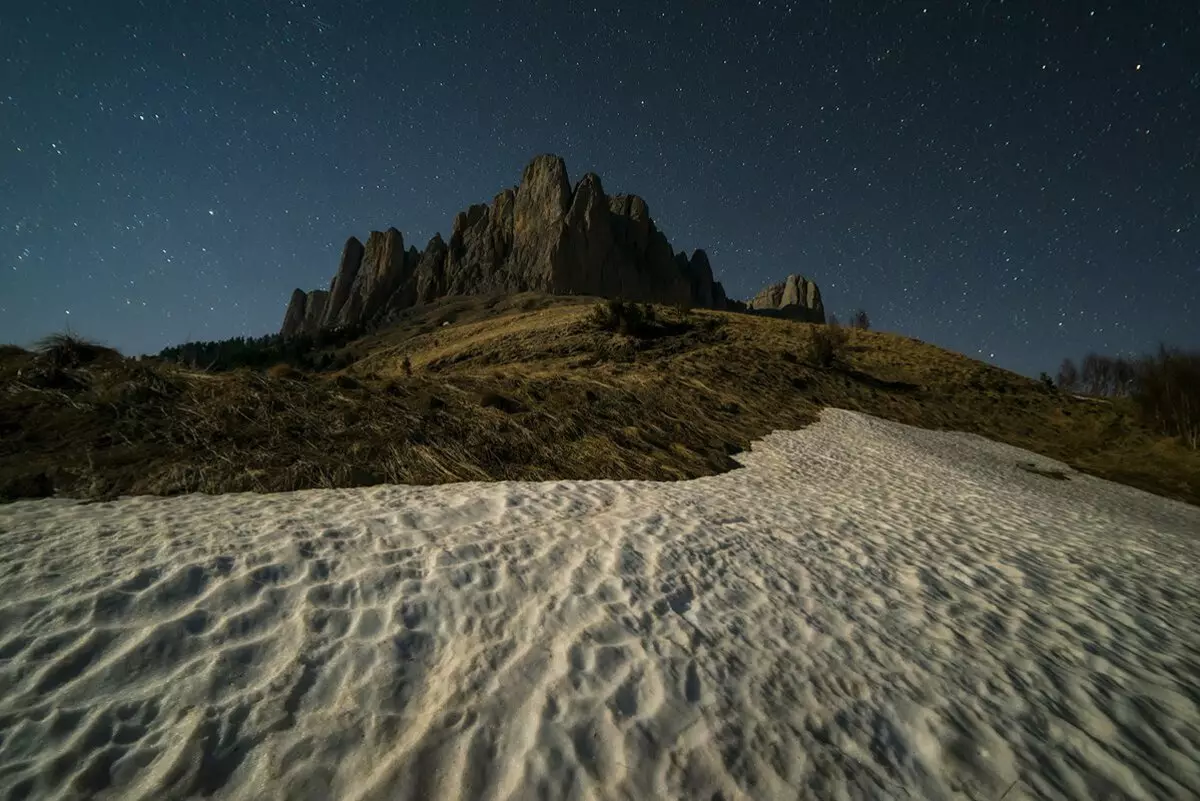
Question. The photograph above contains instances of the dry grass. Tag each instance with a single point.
(285, 371)
(66, 349)
(527, 388)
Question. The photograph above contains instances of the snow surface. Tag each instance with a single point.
(866, 610)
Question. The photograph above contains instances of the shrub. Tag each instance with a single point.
(860, 320)
(827, 344)
(624, 317)
(494, 400)
(1168, 393)
(1046, 381)
(69, 350)
(284, 370)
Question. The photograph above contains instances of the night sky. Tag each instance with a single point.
(1017, 181)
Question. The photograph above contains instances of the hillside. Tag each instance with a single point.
(527, 387)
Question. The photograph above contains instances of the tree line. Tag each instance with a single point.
(306, 352)
(1164, 385)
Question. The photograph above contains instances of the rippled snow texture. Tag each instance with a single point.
(866, 610)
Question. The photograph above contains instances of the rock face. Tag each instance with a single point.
(795, 297)
(540, 236)
(339, 290)
(305, 314)
(381, 272)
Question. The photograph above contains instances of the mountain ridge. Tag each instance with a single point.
(540, 236)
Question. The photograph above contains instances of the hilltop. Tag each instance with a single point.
(530, 387)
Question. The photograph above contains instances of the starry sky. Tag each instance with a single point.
(1017, 181)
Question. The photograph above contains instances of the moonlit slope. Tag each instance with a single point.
(866, 610)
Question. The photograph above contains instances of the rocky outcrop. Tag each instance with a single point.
(381, 271)
(305, 314)
(540, 236)
(343, 280)
(585, 255)
(293, 318)
(795, 297)
(430, 275)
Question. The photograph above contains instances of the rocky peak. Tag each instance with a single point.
(701, 275)
(795, 296)
(587, 243)
(541, 202)
(305, 313)
(343, 280)
(539, 236)
(293, 318)
(381, 271)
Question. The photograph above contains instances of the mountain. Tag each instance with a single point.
(541, 236)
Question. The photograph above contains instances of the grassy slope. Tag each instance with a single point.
(525, 388)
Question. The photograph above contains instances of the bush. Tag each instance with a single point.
(1046, 381)
(827, 344)
(69, 350)
(1168, 393)
(284, 370)
(624, 317)
(860, 320)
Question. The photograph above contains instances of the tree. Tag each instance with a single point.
(1168, 393)
(860, 320)
(1068, 376)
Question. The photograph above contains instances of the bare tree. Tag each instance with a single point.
(1068, 376)
(1168, 393)
(1096, 375)
(1124, 377)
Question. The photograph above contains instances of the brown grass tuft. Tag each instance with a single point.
(70, 350)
